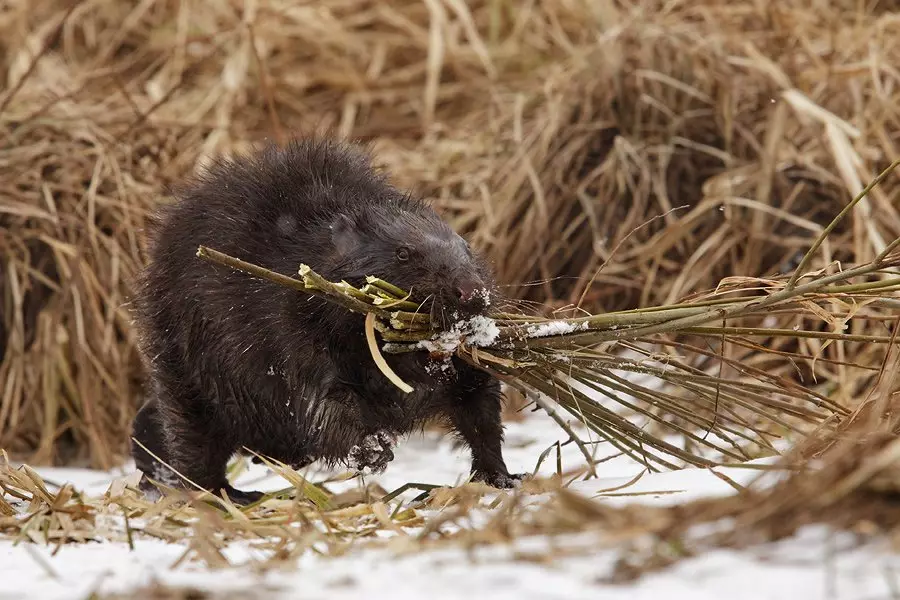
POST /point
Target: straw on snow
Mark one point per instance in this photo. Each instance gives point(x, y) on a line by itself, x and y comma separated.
point(283, 524)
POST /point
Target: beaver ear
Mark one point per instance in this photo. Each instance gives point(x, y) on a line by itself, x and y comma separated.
point(344, 234)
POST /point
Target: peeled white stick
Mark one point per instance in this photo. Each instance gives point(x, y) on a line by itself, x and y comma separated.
point(379, 359)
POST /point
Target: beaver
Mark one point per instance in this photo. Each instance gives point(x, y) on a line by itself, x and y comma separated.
point(237, 363)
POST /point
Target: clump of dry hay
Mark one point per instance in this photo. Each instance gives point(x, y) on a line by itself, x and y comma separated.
point(305, 517)
point(549, 131)
point(743, 128)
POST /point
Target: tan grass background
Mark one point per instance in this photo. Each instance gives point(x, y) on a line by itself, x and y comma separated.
point(547, 131)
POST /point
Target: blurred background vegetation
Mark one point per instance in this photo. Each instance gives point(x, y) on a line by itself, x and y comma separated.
point(700, 139)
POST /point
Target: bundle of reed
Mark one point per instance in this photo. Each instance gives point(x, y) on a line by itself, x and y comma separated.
point(578, 363)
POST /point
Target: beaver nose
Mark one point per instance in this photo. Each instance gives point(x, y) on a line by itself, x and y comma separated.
point(468, 293)
point(465, 292)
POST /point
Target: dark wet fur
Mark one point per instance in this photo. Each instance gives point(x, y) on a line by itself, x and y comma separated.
point(239, 362)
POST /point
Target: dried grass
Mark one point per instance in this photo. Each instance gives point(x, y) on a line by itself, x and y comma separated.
point(305, 517)
point(699, 140)
point(852, 486)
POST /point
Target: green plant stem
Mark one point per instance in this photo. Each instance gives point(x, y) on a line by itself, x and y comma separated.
point(678, 324)
point(390, 288)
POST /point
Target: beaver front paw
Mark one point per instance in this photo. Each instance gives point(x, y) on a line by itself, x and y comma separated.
point(373, 453)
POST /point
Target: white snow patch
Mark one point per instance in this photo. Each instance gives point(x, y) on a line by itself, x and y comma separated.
point(438, 368)
point(485, 295)
point(477, 331)
point(554, 328)
point(802, 567)
point(445, 342)
point(483, 331)
point(805, 566)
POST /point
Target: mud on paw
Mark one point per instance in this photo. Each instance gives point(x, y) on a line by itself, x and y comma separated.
point(374, 452)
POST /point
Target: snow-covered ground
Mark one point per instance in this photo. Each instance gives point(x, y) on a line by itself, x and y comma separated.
point(814, 565)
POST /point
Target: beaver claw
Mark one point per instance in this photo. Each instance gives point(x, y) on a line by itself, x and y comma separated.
point(499, 480)
point(296, 465)
point(374, 452)
point(241, 497)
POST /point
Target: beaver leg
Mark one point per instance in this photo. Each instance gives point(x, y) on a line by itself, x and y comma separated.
point(342, 428)
point(175, 426)
point(147, 438)
point(475, 414)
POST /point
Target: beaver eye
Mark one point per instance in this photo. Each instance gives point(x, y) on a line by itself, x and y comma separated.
point(403, 254)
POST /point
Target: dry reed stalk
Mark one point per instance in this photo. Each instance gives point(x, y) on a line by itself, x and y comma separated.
point(160, 591)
